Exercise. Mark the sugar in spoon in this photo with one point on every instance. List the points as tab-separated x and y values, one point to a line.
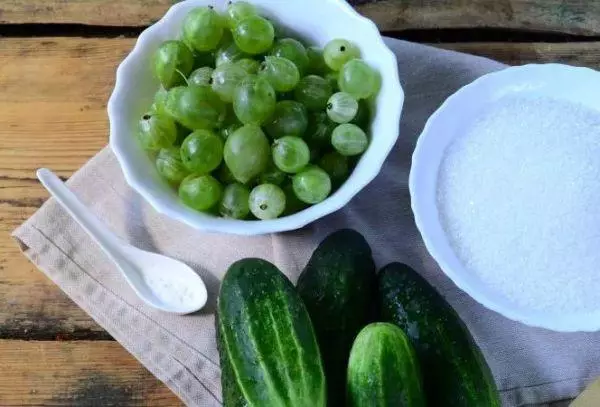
162	282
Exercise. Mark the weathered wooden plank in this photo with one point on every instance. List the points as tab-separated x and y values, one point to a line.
53	100
83	373
567	16
33	308
575	53
570	16
95	12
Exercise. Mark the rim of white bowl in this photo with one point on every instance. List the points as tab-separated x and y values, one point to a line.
355	183
574	322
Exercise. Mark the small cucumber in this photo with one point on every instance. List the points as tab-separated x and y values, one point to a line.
383	370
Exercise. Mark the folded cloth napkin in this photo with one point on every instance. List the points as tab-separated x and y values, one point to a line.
530	365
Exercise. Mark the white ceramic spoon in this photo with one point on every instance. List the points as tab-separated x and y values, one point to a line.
160	281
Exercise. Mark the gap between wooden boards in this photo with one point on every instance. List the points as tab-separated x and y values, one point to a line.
566	16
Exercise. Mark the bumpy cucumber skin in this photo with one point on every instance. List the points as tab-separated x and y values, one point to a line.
383	370
268	338
455	372
232	396
338	287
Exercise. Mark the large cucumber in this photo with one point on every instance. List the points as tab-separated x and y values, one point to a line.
383	370
454	370
268	338
338	288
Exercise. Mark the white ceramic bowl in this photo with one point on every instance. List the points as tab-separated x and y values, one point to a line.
317	22
580	85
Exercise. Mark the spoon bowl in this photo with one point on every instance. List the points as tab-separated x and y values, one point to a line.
160	281
163	282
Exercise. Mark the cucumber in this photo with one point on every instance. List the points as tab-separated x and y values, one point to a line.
268	339
338	288
383	370
232	396
454	370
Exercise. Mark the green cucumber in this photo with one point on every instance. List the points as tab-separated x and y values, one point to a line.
268	339
383	370
338	288
232	396
454	370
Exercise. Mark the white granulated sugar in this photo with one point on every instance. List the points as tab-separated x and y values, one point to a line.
519	198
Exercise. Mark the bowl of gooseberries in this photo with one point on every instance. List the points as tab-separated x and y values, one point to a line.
254	117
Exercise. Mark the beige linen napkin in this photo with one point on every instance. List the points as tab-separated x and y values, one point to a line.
530	365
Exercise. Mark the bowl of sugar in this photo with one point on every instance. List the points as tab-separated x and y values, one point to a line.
505	189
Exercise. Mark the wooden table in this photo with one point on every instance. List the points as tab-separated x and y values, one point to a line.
56	73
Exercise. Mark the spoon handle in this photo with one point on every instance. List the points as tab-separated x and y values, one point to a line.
96	229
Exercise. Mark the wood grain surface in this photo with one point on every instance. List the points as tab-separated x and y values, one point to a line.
53	94
578	53
565	16
77	374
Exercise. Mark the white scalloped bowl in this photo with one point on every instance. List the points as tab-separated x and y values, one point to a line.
316	21
579	85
